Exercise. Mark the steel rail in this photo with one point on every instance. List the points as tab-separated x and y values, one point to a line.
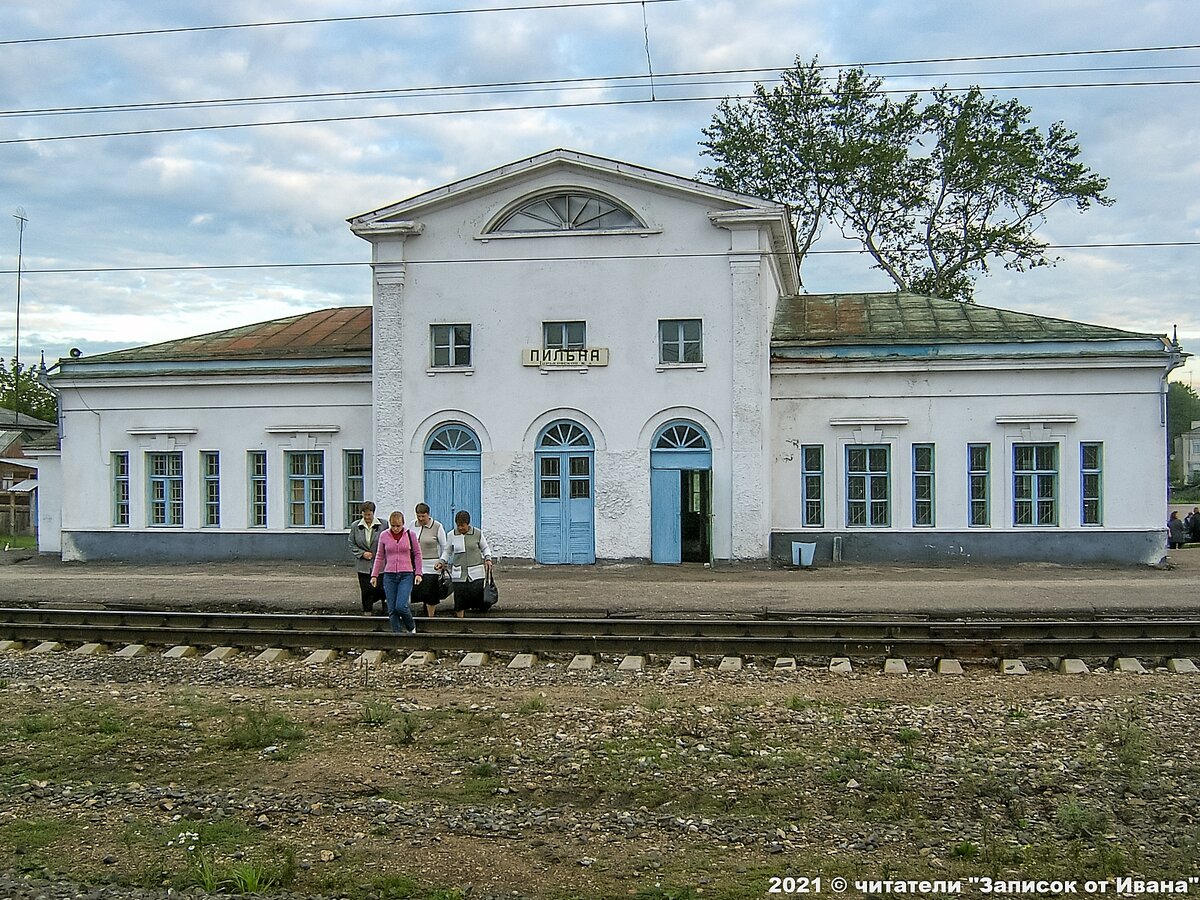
1157	638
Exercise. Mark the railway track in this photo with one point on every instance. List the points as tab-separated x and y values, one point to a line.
1150	639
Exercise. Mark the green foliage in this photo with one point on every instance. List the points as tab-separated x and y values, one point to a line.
1183	408
1078	820
404	730
933	191
21	390
374	714
257	729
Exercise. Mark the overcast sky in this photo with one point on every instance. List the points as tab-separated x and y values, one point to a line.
163	205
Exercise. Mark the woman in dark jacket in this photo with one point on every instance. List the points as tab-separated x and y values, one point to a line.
364	544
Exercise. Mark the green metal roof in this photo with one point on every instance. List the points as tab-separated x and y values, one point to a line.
816	320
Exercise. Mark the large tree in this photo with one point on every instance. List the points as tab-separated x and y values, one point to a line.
21	390
935	190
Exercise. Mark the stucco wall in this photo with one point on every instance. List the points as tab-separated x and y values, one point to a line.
191	415
954	404
621	285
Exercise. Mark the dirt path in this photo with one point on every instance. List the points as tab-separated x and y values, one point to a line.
528	589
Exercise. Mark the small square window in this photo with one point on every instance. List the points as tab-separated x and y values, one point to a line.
680	341
564	335
450	346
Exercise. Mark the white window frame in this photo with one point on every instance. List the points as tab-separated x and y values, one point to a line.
922	479
671	334
557	335
444	336
256	484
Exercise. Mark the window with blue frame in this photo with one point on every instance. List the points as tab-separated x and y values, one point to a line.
306	488
812	463
868	486
165	488
1035	484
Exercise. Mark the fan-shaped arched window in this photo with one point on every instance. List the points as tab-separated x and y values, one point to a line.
568	211
453	439
565	434
681	436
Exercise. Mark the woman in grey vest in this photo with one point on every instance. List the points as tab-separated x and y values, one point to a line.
469	559
364	544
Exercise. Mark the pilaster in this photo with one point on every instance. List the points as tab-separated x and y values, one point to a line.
750	402
387	385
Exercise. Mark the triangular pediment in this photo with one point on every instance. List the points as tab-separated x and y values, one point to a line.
573	166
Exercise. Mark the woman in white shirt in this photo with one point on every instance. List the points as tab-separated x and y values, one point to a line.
469	559
432	537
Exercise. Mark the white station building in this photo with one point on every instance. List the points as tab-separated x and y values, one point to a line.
602	361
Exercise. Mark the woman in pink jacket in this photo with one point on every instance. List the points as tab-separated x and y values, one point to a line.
398	561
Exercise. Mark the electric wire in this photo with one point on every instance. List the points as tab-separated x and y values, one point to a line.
98	270
367	117
592	82
330	20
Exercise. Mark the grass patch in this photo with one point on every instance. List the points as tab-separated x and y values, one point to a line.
257	729
533	705
36	834
373	714
1079	820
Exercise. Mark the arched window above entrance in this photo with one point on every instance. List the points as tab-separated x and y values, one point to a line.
453	439
568	211
681	436
565	434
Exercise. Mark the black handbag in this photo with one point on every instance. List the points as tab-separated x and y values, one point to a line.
491	593
444	586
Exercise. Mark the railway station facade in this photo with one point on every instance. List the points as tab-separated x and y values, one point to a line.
603	361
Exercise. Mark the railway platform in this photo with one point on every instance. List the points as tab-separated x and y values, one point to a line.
634	589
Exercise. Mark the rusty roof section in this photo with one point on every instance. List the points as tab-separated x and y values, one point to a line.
900	318
340	331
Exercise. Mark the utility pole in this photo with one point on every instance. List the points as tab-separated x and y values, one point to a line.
21	218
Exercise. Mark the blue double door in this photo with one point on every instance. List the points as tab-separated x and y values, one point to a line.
453	479
565	504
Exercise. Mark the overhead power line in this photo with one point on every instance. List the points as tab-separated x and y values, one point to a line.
330	20
100	270
542	106
596	82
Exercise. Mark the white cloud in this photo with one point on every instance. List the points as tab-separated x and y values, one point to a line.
281	194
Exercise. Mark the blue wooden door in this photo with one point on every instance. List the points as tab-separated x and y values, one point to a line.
665	518
680	454
564	504
453	479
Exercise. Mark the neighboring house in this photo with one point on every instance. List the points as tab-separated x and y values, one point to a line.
18	473
1187	454
598	360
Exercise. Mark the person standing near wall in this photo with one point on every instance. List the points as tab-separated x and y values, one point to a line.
364	541
1176	534
469	559
398	563
432	538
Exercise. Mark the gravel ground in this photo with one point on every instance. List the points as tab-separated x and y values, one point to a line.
623	588
604	784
